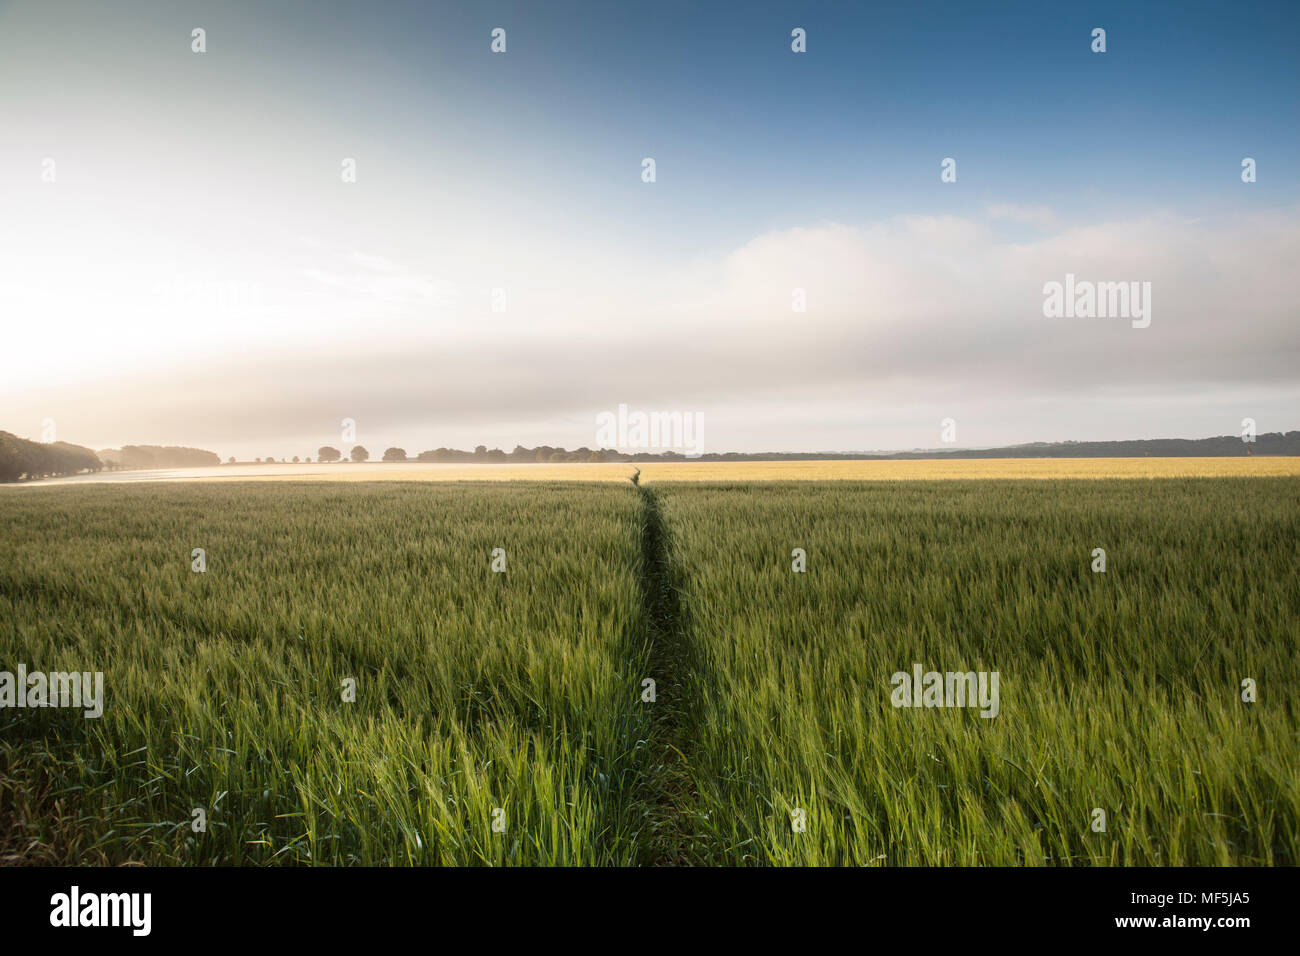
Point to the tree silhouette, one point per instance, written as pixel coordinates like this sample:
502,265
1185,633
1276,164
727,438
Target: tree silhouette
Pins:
21,458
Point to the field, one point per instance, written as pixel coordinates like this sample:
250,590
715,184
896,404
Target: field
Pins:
475,690
517,698
1118,690
1051,469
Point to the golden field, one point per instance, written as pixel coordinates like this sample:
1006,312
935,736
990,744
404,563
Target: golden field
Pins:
933,470
973,469
844,470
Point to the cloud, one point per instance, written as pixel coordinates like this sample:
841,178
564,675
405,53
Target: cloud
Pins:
378,281
1018,212
904,317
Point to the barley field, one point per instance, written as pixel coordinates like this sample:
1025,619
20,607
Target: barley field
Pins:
1119,690
475,691
503,717
713,471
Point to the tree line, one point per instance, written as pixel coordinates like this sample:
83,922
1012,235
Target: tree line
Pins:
134,457
1222,446
23,459
542,453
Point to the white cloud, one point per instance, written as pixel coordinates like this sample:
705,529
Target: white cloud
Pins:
908,320
1022,212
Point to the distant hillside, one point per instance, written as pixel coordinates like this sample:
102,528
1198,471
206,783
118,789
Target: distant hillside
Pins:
134,457
1224,446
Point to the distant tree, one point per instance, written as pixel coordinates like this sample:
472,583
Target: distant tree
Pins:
597,456
20,458
111,457
480,451
326,453
258,460
295,459
559,456
360,454
231,461
394,454
307,460
158,456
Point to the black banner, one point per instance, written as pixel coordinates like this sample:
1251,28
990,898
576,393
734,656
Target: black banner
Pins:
957,907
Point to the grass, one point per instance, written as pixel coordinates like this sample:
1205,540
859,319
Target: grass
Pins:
521,692
475,690
1119,690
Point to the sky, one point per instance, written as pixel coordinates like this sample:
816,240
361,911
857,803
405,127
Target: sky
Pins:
183,262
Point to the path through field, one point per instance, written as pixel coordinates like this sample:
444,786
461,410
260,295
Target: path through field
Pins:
667,781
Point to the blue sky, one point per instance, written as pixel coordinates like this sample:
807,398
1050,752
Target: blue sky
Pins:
182,177
750,137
